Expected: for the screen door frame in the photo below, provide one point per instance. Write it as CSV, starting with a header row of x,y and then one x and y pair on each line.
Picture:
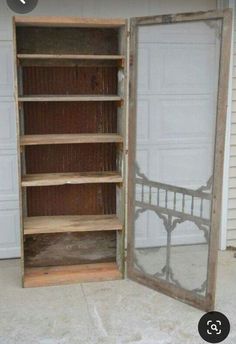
x,y
206,302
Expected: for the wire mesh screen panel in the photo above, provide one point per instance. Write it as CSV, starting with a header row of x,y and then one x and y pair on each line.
x,y
176,105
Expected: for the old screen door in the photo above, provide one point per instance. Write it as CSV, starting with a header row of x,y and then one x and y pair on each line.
x,y
179,67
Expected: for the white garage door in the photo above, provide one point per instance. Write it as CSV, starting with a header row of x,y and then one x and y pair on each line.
x,y
177,79
9,205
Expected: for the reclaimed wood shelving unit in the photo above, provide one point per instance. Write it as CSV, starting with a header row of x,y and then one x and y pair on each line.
x,y
71,102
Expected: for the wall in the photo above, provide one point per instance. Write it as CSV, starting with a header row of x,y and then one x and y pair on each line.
x,y
9,213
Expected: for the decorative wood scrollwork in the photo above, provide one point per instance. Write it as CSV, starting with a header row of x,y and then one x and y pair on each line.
x,y
171,215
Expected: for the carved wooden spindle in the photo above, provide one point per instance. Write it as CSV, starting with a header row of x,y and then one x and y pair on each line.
x,y
174,200
192,205
166,198
183,203
201,207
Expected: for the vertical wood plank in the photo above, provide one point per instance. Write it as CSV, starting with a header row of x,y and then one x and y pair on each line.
x,y
122,130
219,156
18,128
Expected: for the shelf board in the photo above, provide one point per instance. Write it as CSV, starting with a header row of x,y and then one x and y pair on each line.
x,y
67,223
68,21
29,140
69,57
49,179
56,275
70,98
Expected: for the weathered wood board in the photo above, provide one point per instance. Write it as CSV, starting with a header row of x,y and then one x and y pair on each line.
x,y
69,248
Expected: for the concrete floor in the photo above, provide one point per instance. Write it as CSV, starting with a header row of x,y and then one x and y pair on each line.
x,y
116,312
188,263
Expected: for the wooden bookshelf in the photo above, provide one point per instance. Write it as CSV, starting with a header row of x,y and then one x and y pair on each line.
x,y
71,102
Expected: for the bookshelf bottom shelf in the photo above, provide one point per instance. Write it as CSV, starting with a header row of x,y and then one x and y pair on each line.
x,y
57,275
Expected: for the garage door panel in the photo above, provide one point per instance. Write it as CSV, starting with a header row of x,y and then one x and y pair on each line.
x,y
6,63
180,34
8,125
8,176
174,69
9,230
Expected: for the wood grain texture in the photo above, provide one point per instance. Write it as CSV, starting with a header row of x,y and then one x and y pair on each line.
x,y
132,133
75,98
39,277
218,168
122,116
19,166
180,17
68,21
68,138
47,179
70,56
60,224
70,248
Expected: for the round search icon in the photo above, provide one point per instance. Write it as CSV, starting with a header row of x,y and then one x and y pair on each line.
x,y
22,6
214,327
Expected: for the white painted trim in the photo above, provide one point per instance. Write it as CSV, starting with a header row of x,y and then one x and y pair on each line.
x,y
225,191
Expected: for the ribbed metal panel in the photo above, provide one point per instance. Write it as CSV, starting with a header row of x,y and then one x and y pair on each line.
x,y
69,80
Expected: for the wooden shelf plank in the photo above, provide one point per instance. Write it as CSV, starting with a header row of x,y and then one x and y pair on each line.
x,y
67,223
49,179
70,98
56,275
68,21
29,140
70,57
